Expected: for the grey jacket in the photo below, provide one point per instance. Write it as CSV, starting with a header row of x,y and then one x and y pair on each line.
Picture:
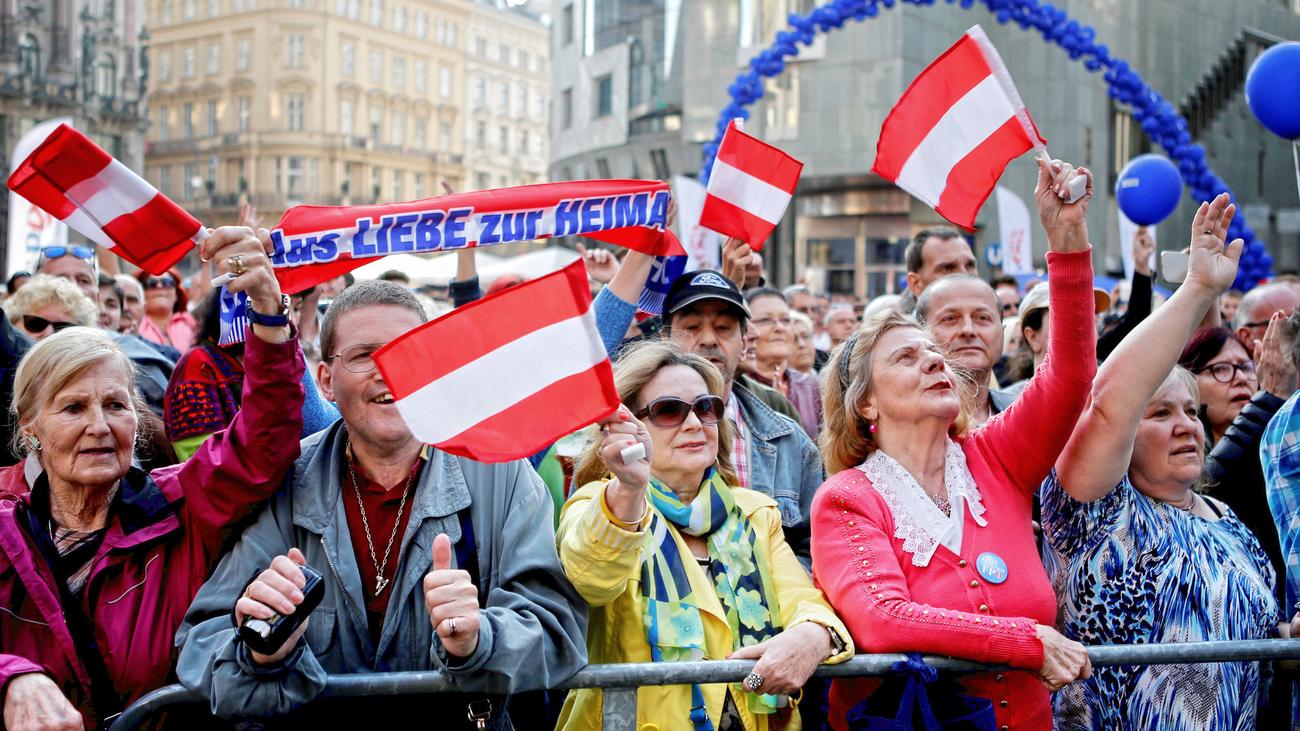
x,y
532,633
783,464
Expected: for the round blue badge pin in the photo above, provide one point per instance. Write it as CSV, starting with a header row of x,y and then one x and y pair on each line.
x,y
991,567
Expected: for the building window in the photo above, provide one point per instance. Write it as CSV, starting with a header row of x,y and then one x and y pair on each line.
x,y
187,63
503,102
480,91
440,31
659,158
444,135
295,111
566,109
214,59
242,5
106,77
347,59
345,116
165,66
166,15
376,124
480,135
399,177
244,110
399,73
212,118
480,47
418,193
294,48
451,32
214,8
293,178
444,82
421,132
566,25
165,180
375,187
781,106
164,123
421,24
503,140
523,59
189,181
523,100
399,128
421,72
602,168
399,18
376,67
243,54
539,104
187,121
523,142
377,12
604,93
188,9
482,181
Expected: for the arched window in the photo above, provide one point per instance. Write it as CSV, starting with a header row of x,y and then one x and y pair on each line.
x,y
106,77
29,57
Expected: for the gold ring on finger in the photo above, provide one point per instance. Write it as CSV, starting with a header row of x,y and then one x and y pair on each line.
x,y
236,263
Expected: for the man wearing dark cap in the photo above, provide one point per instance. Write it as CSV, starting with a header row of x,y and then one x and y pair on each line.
x,y
705,314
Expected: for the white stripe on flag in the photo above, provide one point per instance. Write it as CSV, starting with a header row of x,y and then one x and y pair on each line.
x,y
112,192
742,190
82,224
502,378
962,128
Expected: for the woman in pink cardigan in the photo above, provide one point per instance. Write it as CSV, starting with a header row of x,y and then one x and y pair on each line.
x,y
923,538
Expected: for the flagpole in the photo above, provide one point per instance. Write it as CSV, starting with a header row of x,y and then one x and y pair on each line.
x,y
1079,185
1295,155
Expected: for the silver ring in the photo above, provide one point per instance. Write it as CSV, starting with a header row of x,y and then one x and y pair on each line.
x,y
451,626
753,681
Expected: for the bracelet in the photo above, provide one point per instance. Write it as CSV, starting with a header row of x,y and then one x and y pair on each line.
x,y
632,527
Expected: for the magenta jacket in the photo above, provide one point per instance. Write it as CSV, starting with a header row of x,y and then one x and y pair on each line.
x,y
165,535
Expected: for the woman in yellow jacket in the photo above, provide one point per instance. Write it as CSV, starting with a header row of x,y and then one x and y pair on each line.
x,y
677,565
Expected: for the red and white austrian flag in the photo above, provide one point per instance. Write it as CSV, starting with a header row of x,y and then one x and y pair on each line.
x,y
502,378
76,181
954,130
750,187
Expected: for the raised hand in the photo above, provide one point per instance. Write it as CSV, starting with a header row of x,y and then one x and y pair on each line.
x,y
1211,264
625,495
736,255
1064,222
1276,373
601,264
277,590
452,602
1143,247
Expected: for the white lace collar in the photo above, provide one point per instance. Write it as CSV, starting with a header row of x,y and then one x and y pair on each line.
x,y
917,520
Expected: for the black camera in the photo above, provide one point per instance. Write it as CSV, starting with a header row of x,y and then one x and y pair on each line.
x,y
265,636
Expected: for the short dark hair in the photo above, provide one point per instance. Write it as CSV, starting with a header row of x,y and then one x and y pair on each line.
x,y
395,275
757,293
364,294
923,302
1006,279
12,284
915,262
1205,344
107,280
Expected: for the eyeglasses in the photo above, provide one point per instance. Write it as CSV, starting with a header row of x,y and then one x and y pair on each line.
x,y
1253,325
358,358
766,322
671,411
1009,307
55,252
34,324
1225,372
163,282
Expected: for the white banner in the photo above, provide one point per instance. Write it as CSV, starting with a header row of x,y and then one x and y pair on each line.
x,y
30,228
1015,230
703,247
1127,230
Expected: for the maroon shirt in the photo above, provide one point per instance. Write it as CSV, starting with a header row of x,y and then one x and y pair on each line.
x,y
381,505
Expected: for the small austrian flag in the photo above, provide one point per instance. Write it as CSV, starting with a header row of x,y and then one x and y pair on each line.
x,y
501,378
76,181
750,187
954,130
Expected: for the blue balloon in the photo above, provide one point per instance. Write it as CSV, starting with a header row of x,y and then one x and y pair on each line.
x,y
1273,89
1148,189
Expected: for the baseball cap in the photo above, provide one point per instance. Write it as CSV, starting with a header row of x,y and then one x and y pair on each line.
x,y
703,284
1037,299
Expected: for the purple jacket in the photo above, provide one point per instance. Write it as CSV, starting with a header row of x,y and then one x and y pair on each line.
x,y
165,535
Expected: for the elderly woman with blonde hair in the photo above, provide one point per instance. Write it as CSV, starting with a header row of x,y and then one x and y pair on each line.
x,y
100,560
678,564
923,538
46,305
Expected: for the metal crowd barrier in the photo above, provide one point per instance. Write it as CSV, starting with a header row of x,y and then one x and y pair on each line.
x,y
620,681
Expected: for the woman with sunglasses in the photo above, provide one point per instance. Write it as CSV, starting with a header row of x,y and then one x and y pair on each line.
x,y
46,305
167,320
677,564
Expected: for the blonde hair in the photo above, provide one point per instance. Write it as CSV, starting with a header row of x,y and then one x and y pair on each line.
x,y
636,367
51,364
846,439
43,291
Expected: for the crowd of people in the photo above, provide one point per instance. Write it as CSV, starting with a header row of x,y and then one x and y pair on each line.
x,y
965,470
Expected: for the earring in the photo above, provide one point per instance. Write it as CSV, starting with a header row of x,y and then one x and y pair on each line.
x,y
33,443
872,428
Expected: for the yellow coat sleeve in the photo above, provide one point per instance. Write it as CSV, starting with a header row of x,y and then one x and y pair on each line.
x,y
598,557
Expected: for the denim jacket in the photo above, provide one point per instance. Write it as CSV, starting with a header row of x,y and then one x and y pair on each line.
x,y
783,464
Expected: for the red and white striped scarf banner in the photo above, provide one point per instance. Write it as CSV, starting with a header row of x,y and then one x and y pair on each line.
x,y
314,244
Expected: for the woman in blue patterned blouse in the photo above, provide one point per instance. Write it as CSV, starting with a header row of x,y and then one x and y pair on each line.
x,y
1137,556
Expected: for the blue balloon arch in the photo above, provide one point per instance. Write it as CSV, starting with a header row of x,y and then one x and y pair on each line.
x,y
1160,122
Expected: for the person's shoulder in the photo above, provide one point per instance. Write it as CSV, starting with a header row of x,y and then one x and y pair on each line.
x,y
752,501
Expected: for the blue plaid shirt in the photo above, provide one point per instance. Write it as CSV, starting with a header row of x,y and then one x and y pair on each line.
x,y
1279,451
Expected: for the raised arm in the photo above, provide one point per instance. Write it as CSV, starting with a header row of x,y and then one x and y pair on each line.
x,y
1098,453
1139,295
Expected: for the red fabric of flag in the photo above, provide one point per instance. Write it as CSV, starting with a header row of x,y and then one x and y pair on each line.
x,y
750,186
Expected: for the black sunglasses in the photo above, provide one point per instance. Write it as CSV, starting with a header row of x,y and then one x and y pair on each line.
x,y
671,411
163,282
34,324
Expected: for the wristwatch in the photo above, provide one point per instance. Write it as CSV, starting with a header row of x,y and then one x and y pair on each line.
x,y
279,319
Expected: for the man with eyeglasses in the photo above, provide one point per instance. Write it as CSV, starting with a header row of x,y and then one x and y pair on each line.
x,y
1259,304
705,314
380,516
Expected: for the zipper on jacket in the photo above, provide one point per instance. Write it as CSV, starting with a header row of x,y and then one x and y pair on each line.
x,y
339,582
